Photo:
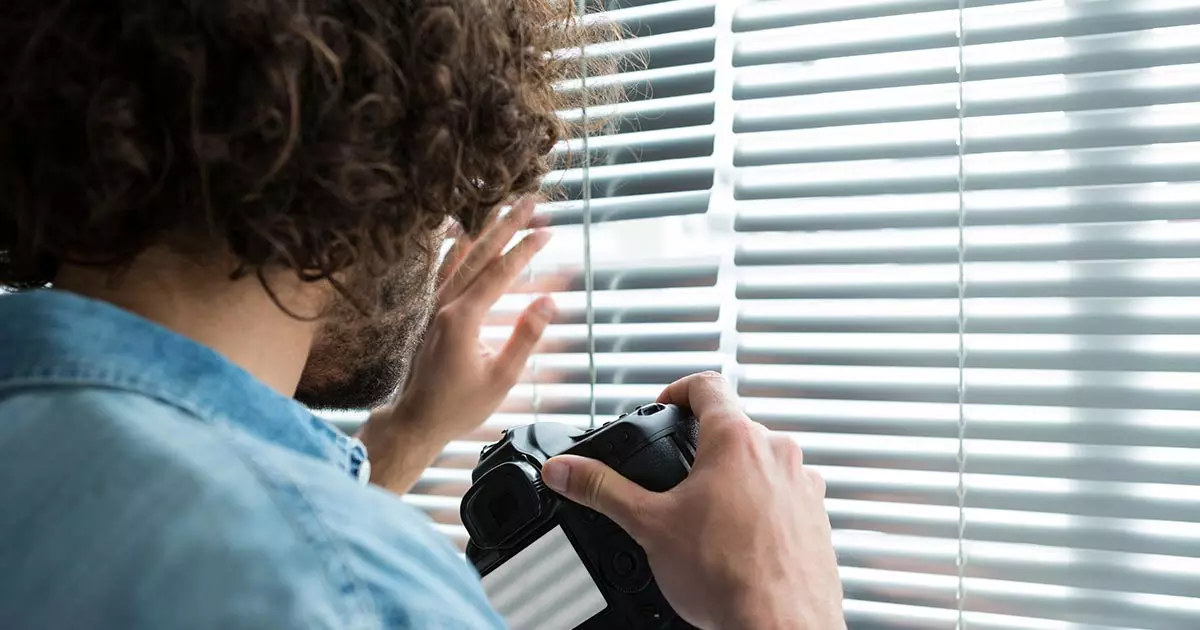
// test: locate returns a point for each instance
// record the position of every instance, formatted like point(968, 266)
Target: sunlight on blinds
point(1057, 133)
point(948, 244)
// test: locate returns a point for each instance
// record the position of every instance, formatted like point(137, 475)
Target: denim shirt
point(147, 482)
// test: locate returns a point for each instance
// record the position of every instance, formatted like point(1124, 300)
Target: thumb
point(592, 484)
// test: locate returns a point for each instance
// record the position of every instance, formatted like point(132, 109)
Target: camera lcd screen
point(544, 587)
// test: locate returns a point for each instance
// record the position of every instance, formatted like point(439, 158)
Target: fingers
point(817, 480)
point(547, 281)
point(786, 449)
point(525, 336)
point(492, 282)
point(708, 396)
point(486, 248)
point(590, 483)
point(787, 452)
point(461, 247)
point(454, 257)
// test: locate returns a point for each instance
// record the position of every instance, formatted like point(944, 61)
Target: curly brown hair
point(314, 135)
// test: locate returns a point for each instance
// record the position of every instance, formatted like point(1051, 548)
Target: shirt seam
point(87, 374)
point(92, 375)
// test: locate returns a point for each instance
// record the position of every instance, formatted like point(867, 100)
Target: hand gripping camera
point(551, 564)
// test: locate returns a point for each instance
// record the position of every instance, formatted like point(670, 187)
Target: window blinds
point(947, 243)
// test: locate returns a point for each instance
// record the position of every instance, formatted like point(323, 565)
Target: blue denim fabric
point(147, 482)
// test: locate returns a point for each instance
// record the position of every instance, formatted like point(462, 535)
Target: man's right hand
point(744, 542)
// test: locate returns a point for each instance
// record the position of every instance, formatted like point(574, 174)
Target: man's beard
point(359, 360)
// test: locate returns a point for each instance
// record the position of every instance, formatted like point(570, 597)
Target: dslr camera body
point(551, 564)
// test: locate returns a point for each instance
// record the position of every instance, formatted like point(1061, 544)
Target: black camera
point(551, 564)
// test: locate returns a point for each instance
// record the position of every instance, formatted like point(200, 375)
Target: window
point(946, 242)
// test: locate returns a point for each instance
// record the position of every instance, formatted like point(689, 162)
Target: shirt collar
point(58, 338)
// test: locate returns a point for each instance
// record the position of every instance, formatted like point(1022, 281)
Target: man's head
point(332, 139)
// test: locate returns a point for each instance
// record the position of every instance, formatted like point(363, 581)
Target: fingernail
point(542, 236)
point(556, 474)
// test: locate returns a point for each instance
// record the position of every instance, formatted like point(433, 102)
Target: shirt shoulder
point(122, 511)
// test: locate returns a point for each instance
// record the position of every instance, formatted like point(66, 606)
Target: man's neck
point(237, 319)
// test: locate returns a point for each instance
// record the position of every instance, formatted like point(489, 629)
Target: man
point(239, 204)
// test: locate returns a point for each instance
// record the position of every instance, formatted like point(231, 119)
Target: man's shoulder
point(232, 530)
point(394, 557)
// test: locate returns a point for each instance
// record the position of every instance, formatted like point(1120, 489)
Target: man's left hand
point(457, 381)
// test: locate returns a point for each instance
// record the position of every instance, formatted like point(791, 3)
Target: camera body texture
point(552, 564)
